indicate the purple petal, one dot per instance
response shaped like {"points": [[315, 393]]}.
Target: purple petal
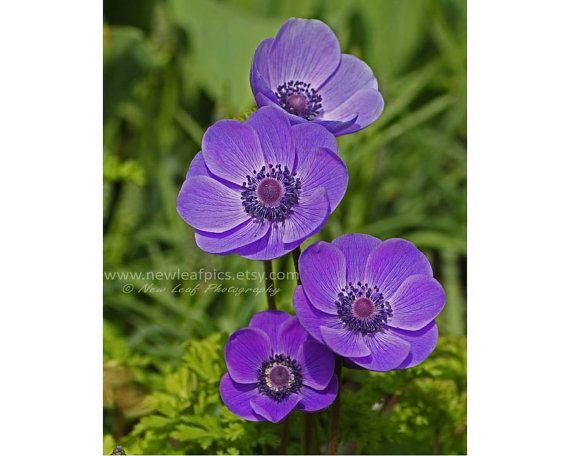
{"points": [[393, 262], [272, 410], [308, 136], [262, 100], [356, 248], [226, 242], [308, 217], [304, 50], [336, 127], [317, 364], [322, 268], [313, 401], [236, 396], [323, 168], [387, 352], [245, 351], [416, 302], [368, 104], [422, 343], [269, 321], [198, 167], [259, 73], [290, 336], [311, 318], [261, 58], [274, 133], [345, 342], [209, 205], [269, 247], [232, 151], [351, 76]]}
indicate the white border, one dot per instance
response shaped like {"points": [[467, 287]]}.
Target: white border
{"points": [[51, 256], [518, 203], [50, 178]]}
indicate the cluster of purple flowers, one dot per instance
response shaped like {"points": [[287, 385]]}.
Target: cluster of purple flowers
{"points": [[260, 188]]}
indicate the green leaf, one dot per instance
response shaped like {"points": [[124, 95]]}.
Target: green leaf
{"points": [[222, 41], [127, 57], [385, 33]]}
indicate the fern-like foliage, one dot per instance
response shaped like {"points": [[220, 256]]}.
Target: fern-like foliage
{"points": [[420, 409]]}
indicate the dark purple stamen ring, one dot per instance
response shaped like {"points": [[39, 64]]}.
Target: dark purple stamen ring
{"points": [[363, 308], [279, 376], [271, 194], [298, 98]]}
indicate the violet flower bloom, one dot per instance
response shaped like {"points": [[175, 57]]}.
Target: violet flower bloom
{"points": [[274, 366], [261, 187], [373, 302], [303, 71]]}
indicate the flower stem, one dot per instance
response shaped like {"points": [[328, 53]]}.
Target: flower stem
{"points": [[306, 438], [269, 285], [284, 436], [295, 254], [335, 412]]}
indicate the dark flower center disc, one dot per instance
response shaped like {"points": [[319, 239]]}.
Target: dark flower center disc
{"points": [[300, 99], [363, 308], [270, 191], [296, 104], [279, 376]]}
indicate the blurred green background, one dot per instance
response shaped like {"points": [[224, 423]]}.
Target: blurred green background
{"points": [[171, 69]]}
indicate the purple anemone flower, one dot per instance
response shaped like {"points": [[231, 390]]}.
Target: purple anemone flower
{"points": [[274, 366], [260, 188], [303, 71], [373, 302]]}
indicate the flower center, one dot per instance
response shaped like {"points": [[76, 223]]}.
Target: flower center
{"points": [[298, 98], [279, 376], [271, 193], [296, 104], [363, 308]]}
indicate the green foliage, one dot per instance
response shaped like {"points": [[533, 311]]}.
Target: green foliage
{"points": [[414, 410], [186, 415], [225, 79], [171, 69]]}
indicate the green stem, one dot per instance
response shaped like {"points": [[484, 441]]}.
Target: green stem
{"points": [[269, 285], [295, 254], [307, 437], [284, 436], [307, 434], [335, 412]]}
